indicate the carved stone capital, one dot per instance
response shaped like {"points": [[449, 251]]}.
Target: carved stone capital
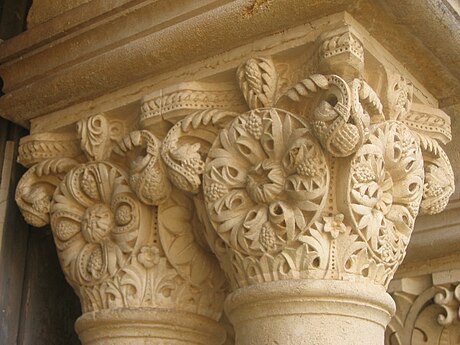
{"points": [[302, 179], [330, 191], [319, 184], [127, 243]]}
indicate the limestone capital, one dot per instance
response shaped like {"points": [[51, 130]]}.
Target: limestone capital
{"points": [[322, 179], [294, 168], [126, 240]]}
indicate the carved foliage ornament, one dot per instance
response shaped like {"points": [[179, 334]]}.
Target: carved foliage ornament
{"points": [[385, 191], [267, 179], [116, 248], [431, 127], [114, 254], [265, 182], [313, 182], [431, 317]]}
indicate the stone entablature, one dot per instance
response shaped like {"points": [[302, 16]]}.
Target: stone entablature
{"points": [[286, 182]]}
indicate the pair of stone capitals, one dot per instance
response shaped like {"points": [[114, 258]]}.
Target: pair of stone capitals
{"points": [[316, 177]]}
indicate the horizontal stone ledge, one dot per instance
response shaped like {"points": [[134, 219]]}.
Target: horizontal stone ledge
{"points": [[220, 26]]}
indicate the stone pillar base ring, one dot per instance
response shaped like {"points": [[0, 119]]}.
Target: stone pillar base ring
{"points": [[148, 327], [310, 312]]}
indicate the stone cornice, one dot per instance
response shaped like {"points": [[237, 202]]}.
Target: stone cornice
{"points": [[126, 100], [84, 73]]}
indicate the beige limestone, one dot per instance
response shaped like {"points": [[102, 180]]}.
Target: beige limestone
{"points": [[44, 10], [272, 156], [151, 327], [428, 309], [310, 312]]}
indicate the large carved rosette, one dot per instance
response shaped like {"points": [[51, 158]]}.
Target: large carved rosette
{"points": [[116, 255], [265, 182], [385, 192], [95, 219]]}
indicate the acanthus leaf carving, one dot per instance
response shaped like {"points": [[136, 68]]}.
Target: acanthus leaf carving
{"points": [[179, 230]]}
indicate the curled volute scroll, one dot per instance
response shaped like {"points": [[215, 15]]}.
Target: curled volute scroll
{"points": [[57, 154], [98, 135], [187, 143], [430, 315], [147, 175], [36, 187], [340, 112]]}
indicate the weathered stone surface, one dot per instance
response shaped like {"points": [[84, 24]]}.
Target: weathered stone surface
{"points": [[228, 153]]}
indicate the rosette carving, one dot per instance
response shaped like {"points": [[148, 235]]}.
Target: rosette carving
{"points": [[386, 188], [266, 180], [115, 255], [96, 219]]}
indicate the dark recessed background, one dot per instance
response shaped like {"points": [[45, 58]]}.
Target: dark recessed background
{"points": [[37, 306]]}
